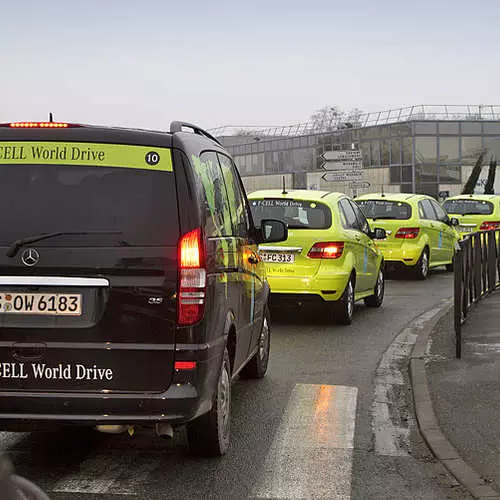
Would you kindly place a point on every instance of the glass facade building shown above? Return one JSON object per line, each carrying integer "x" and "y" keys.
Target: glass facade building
{"x": 422, "y": 156}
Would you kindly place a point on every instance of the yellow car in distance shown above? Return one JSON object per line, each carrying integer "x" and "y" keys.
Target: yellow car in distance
{"x": 475, "y": 212}
{"x": 330, "y": 257}
{"x": 420, "y": 235}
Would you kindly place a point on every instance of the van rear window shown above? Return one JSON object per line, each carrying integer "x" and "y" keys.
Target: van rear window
{"x": 297, "y": 214}
{"x": 139, "y": 206}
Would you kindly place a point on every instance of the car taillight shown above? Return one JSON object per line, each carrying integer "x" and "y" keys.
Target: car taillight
{"x": 489, "y": 225}
{"x": 192, "y": 279}
{"x": 326, "y": 250}
{"x": 407, "y": 233}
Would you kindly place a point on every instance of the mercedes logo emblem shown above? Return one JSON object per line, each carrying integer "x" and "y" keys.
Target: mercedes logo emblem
{"x": 30, "y": 257}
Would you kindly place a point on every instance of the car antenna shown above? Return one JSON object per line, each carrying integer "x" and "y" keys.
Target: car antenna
{"x": 51, "y": 118}
{"x": 383, "y": 194}
{"x": 284, "y": 189}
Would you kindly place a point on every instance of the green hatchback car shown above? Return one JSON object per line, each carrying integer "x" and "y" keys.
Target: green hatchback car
{"x": 475, "y": 212}
{"x": 420, "y": 235}
{"x": 330, "y": 257}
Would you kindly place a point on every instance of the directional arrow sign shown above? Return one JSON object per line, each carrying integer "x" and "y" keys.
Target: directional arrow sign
{"x": 342, "y": 176}
{"x": 341, "y": 155}
{"x": 359, "y": 184}
{"x": 343, "y": 165}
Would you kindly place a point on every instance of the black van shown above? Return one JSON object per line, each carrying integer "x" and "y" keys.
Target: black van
{"x": 131, "y": 291}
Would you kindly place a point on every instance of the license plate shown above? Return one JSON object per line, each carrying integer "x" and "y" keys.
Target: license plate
{"x": 49, "y": 304}
{"x": 277, "y": 257}
{"x": 466, "y": 229}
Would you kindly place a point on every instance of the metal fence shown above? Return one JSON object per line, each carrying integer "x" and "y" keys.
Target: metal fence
{"x": 342, "y": 121}
{"x": 477, "y": 272}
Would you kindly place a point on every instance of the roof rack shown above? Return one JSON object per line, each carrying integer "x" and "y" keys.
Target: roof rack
{"x": 178, "y": 126}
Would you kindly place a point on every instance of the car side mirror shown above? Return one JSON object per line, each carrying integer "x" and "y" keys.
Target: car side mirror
{"x": 453, "y": 221}
{"x": 272, "y": 231}
{"x": 378, "y": 234}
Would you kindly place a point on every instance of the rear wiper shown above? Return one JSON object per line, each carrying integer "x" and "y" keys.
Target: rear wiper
{"x": 474, "y": 213}
{"x": 387, "y": 217}
{"x": 13, "y": 249}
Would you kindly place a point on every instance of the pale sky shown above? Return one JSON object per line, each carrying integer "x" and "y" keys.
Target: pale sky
{"x": 145, "y": 63}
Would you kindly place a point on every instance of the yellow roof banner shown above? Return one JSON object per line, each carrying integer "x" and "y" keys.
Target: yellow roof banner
{"x": 90, "y": 154}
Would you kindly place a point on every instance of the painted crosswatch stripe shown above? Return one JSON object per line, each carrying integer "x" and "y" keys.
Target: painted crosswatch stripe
{"x": 311, "y": 455}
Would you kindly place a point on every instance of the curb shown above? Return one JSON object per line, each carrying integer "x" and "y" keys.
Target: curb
{"x": 428, "y": 423}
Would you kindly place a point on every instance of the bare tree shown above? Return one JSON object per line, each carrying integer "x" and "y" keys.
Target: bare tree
{"x": 331, "y": 118}
{"x": 326, "y": 119}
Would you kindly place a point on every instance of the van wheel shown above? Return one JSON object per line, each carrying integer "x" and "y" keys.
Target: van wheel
{"x": 344, "y": 308}
{"x": 421, "y": 270}
{"x": 257, "y": 366}
{"x": 377, "y": 298}
{"x": 208, "y": 435}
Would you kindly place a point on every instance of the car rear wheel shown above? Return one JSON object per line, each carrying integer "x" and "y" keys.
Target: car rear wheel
{"x": 208, "y": 435}
{"x": 421, "y": 270}
{"x": 257, "y": 366}
{"x": 377, "y": 298}
{"x": 344, "y": 308}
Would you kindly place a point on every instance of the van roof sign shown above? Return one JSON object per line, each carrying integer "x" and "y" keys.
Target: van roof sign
{"x": 85, "y": 154}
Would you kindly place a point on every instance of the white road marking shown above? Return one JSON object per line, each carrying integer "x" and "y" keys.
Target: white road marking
{"x": 9, "y": 440}
{"x": 483, "y": 348}
{"x": 96, "y": 475}
{"x": 391, "y": 430}
{"x": 311, "y": 454}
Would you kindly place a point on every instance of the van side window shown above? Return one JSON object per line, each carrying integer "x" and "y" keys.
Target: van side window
{"x": 212, "y": 190}
{"x": 237, "y": 199}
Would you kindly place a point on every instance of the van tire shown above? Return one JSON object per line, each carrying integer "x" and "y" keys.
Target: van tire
{"x": 257, "y": 366}
{"x": 344, "y": 308}
{"x": 377, "y": 298}
{"x": 208, "y": 435}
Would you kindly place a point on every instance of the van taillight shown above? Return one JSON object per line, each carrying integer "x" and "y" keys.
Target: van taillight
{"x": 192, "y": 279}
{"x": 326, "y": 250}
{"x": 407, "y": 233}
{"x": 489, "y": 225}
{"x": 38, "y": 125}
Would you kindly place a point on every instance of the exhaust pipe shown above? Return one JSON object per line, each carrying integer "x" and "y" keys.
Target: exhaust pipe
{"x": 165, "y": 430}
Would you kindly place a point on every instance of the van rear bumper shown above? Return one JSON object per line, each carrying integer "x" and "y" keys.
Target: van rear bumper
{"x": 184, "y": 400}
{"x": 179, "y": 404}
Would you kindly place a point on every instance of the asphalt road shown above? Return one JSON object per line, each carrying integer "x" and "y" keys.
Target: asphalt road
{"x": 312, "y": 428}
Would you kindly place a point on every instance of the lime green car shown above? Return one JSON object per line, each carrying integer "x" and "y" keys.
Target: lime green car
{"x": 420, "y": 235}
{"x": 475, "y": 212}
{"x": 330, "y": 257}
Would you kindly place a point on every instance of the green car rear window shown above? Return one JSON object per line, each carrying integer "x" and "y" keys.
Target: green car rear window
{"x": 297, "y": 214}
{"x": 468, "y": 207}
{"x": 385, "y": 209}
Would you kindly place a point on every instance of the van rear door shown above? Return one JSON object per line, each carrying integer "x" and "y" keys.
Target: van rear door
{"x": 88, "y": 267}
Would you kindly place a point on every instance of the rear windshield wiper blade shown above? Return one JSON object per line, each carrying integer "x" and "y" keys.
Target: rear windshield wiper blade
{"x": 13, "y": 249}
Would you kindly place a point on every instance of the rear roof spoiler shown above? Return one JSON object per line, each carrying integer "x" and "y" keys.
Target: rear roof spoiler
{"x": 178, "y": 127}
